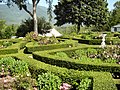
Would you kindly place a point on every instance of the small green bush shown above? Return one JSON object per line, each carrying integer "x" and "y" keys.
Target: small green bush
{"x": 13, "y": 66}
{"x": 6, "y": 44}
{"x": 15, "y": 74}
{"x": 48, "y": 81}
{"x": 84, "y": 84}
{"x": 29, "y": 36}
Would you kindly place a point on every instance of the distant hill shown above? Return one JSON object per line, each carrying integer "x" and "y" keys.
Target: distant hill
{"x": 13, "y": 15}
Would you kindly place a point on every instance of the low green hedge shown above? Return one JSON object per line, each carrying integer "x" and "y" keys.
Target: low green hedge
{"x": 16, "y": 40}
{"x": 14, "y": 48}
{"x": 95, "y": 41}
{"x": 101, "y": 80}
{"x": 8, "y": 51}
{"x": 30, "y": 49}
{"x": 44, "y": 56}
{"x": 22, "y": 44}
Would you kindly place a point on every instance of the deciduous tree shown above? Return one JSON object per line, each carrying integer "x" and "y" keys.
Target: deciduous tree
{"x": 115, "y": 14}
{"x": 81, "y": 12}
{"x": 23, "y": 4}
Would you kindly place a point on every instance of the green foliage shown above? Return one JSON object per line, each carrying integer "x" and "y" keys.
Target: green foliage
{"x": 27, "y": 26}
{"x": 115, "y": 14}
{"x": 25, "y": 83}
{"x": 47, "y": 40}
{"x": 9, "y": 46}
{"x": 29, "y": 36}
{"x": 84, "y": 84}
{"x": 6, "y": 31}
{"x": 8, "y": 51}
{"x": 91, "y": 51}
{"x": 48, "y": 81}
{"x": 6, "y": 43}
{"x": 22, "y": 44}
{"x": 31, "y": 48}
{"x": 16, "y": 74}
{"x": 101, "y": 80}
{"x": 78, "y": 12}
{"x": 84, "y": 63}
{"x": 2, "y": 24}
{"x": 67, "y": 30}
{"x": 13, "y": 66}
{"x": 61, "y": 54}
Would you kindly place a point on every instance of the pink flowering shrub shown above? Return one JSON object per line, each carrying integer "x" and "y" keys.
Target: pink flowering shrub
{"x": 65, "y": 86}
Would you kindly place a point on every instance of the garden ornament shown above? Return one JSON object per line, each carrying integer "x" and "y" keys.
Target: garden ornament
{"x": 103, "y": 45}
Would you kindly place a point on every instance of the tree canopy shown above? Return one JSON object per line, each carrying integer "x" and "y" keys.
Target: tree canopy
{"x": 23, "y": 4}
{"x": 27, "y": 26}
{"x": 81, "y": 12}
{"x": 115, "y": 14}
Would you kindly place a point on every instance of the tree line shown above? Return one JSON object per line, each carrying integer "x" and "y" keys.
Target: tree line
{"x": 77, "y": 12}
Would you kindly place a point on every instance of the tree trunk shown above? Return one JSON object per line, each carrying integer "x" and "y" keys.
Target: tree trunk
{"x": 78, "y": 28}
{"x": 35, "y": 17}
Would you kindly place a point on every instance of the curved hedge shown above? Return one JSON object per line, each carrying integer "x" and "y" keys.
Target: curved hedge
{"x": 30, "y": 49}
{"x": 69, "y": 63}
{"x": 101, "y": 80}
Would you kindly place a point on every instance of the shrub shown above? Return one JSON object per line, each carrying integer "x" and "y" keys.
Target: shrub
{"x": 30, "y": 36}
{"x": 13, "y": 66}
{"x": 15, "y": 74}
{"x": 6, "y": 31}
{"x": 6, "y": 44}
{"x": 27, "y": 26}
{"x": 84, "y": 84}
{"x": 48, "y": 81}
{"x": 47, "y": 40}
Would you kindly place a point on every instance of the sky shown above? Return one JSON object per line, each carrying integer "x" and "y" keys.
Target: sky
{"x": 110, "y": 3}
{"x": 43, "y": 3}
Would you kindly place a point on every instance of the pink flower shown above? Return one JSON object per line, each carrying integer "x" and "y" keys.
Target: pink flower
{"x": 65, "y": 86}
{"x": 118, "y": 62}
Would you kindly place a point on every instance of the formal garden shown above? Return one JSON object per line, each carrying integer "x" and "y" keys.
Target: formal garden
{"x": 63, "y": 63}
{"x": 84, "y": 56}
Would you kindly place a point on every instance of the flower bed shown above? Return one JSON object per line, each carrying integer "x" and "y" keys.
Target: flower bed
{"x": 14, "y": 74}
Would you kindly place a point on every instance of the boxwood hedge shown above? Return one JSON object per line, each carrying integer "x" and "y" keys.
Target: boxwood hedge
{"x": 101, "y": 80}
{"x": 30, "y": 49}
{"x": 46, "y": 57}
